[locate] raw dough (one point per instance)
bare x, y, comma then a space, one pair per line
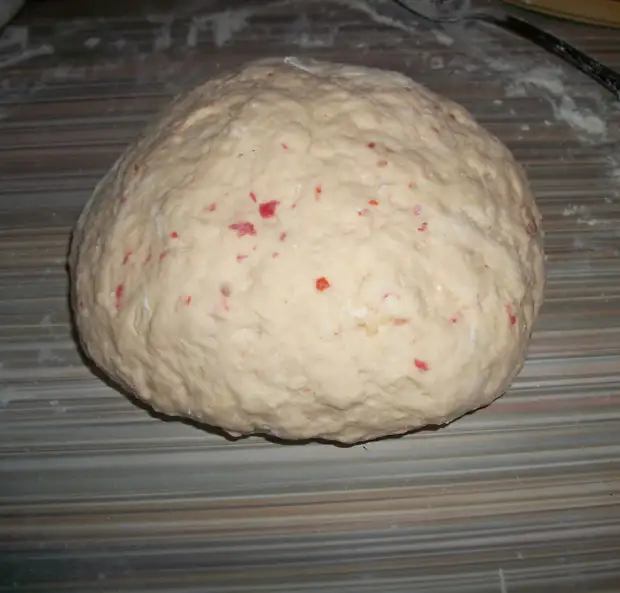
311, 250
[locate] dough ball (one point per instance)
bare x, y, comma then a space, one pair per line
311, 250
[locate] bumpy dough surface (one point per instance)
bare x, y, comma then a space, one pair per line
309, 249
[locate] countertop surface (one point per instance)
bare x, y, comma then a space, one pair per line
98, 495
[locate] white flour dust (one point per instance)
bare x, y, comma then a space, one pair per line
523, 77
92, 42
581, 214
572, 210
436, 63
191, 39
46, 355
551, 80
378, 17
163, 39
303, 35
224, 25
443, 38
15, 47
548, 78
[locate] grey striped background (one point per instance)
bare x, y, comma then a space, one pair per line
96, 495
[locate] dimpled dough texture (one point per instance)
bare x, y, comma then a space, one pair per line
311, 250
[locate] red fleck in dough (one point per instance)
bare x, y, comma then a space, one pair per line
118, 295
371, 144
282, 236
243, 228
128, 254
284, 146
421, 365
417, 209
240, 257
268, 209
318, 190
423, 227
253, 196
187, 300
211, 207
322, 284
512, 318
174, 235
225, 291
373, 202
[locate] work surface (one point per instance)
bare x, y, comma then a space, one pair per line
96, 495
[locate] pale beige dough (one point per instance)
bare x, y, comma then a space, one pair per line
309, 249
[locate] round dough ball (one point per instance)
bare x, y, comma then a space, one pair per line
311, 250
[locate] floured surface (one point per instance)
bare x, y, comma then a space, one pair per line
522, 495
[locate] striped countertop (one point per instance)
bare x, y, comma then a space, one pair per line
97, 495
